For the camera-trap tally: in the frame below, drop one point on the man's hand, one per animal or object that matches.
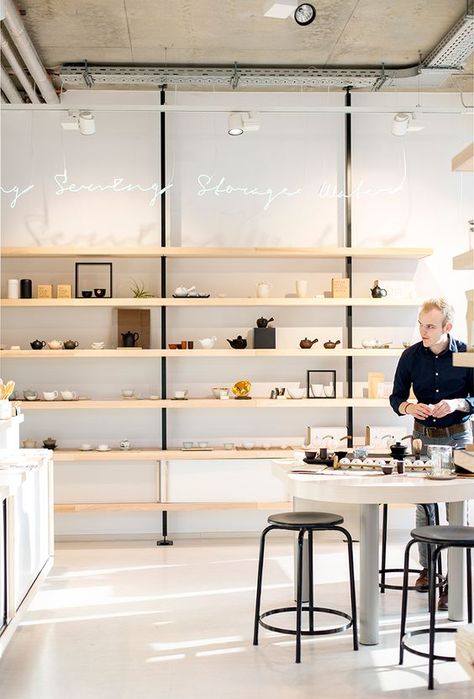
(420, 410)
(444, 407)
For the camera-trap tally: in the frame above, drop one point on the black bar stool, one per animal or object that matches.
(305, 522)
(383, 563)
(439, 538)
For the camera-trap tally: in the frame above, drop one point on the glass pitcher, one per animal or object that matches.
(441, 458)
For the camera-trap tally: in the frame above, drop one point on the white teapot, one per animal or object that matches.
(55, 344)
(208, 342)
(182, 291)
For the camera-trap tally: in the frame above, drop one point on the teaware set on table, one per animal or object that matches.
(30, 395)
(124, 445)
(181, 292)
(54, 344)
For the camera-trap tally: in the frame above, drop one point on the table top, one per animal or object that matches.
(373, 487)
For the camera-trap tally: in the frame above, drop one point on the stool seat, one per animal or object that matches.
(297, 520)
(448, 535)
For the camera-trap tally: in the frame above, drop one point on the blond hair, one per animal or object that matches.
(440, 304)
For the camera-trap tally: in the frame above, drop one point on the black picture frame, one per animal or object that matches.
(327, 377)
(93, 275)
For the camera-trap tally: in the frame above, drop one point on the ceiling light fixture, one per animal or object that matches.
(305, 14)
(400, 123)
(82, 121)
(242, 121)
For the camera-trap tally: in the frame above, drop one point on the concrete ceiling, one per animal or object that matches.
(349, 33)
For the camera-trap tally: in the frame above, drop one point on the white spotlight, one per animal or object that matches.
(305, 14)
(86, 123)
(242, 121)
(400, 123)
(235, 127)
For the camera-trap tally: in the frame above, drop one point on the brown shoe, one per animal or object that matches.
(443, 600)
(422, 583)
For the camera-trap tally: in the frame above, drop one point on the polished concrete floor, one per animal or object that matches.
(128, 620)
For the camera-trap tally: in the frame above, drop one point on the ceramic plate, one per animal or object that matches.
(108, 449)
(441, 478)
(86, 448)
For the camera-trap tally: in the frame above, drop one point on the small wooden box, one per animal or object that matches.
(44, 291)
(134, 320)
(63, 291)
(340, 288)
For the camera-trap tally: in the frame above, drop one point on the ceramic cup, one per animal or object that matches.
(86, 447)
(128, 392)
(203, 445)
(68, 395)
(103, 447)
(228, 445)
(301, 288)
(188, 445)
(98, 345)
(50, 395)
(180, 394)
(317, 389)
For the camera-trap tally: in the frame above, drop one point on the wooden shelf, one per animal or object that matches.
(153, 353)
(169, 506)
(464, 359)
(204, 403)
(464, 261)
(222, 252)
(156, 454)
(464, 161)
(205, 303)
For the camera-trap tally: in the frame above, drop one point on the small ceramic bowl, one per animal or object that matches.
(345, 460)
(387, 470)
(310, 454)
(296, 393)
(356, 462)
(173, 346)
(100, 293)
(86, 294)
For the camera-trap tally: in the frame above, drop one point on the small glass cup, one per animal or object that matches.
(441, 457)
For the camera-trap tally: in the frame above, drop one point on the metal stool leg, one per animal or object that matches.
(440, 560)
(432, 604)
(403, 621)
(310, 580)
(350, 556)
(299, 594)
(469, 585)
(384, 547)
(259, 584)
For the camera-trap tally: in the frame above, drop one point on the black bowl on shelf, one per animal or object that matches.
(100, 293)
(86, 294)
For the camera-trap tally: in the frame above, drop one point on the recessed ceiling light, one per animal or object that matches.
(305, 14)
(279, 10)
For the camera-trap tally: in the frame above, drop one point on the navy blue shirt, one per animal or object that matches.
(434, 378)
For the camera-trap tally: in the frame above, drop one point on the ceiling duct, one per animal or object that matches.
(27, 51)
(17, 69)
(455, 48)
(9, 89)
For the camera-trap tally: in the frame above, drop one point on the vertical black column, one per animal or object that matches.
(348, 243)
(164, 414)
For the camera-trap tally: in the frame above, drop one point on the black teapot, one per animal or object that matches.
(306, 343)
(377, 292)
(129, 339)
(398, 450)
(70, 344)
(37, 344)
(238, 343)
(263, 322)
(49, 443)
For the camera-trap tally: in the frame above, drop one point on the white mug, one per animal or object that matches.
(263, 290)
(180, 394)
(50, 395)
(12, 289)
(68, 395)
(301, 288)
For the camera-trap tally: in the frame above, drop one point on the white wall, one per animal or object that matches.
(283, 187)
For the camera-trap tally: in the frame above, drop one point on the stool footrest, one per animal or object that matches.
(423, 654)
(386, 586)
(307, 632)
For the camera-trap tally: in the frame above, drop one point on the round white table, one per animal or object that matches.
(370, 489)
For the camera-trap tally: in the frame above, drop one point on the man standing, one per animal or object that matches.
(444, 399)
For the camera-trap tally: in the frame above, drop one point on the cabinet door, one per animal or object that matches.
(3, 570)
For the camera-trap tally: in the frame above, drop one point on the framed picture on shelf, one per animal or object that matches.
(321, 383)
(93, 279)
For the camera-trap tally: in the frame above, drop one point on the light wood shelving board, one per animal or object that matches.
(464, 359)
(152, 353)
(464, 261)
(222, 252)
(205, 403)
(464, 161)
(156, 454)
(169, 506)
(206, 303)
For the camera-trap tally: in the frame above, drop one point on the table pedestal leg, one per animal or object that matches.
(369, 575)
(457, 567)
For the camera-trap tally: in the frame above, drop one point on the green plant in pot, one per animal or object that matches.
(139, 292)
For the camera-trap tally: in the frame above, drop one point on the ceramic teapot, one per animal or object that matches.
(377, 292)
(55, 344)
(398, 450)
(182, 291)
(238, 343)
(263, 322)
(330, 344)
(29, 444)
(70, 344)
(37, 344)
(306, 343)
(49, 443)
(129, 339)
(208, 342)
